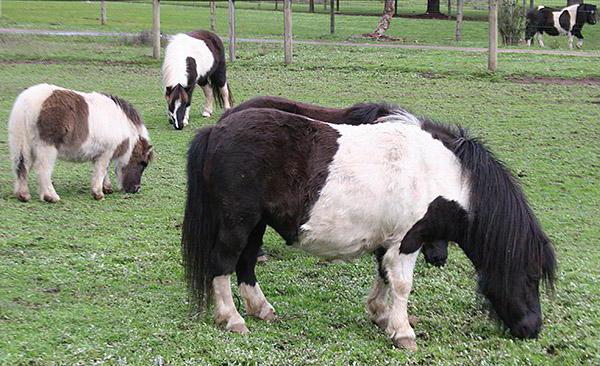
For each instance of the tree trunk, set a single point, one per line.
(433, 7)
(459, 18)
(311, 6)
(384, 22)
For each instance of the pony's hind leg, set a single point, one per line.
(22, 165)
(45, 157)
(399, 268)
(225, 311)
(224, 258)
(208, 104)
(256, 303)
(226, 97)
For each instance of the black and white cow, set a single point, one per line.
(566, 21)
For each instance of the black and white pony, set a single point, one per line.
(194, 58)
(340, 191)
(567, 21)
(435, 253)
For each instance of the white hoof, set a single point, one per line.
(206, 114)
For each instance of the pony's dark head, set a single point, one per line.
(589, 12)
(178, 104)
(504, 240)
(130, 174)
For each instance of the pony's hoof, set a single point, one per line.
(206, 114)
(267, 313)
(98, 196)
(51, 198)
(239, 328)
(23, 197)
(107, 190)
(406, 343)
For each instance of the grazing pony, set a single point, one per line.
(194, 58)
(568, 21)
(338, 191)
(48, 121)
(435, 253)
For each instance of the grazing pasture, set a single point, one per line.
(85, 282)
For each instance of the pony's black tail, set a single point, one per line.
(199, 229)
(219, 96)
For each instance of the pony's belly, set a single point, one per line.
(333, 244)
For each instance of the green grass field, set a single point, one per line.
(86, 282)
(252, 22)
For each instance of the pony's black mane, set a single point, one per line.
(364, 113)
(127, 108)
(503, 239)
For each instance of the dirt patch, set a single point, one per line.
(555, 80)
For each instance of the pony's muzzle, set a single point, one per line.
(528, 327)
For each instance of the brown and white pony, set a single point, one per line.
(49, 122)
(435, 253)
(339, 191)
(194, 58)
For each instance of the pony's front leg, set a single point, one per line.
(208, 104)
(540, 40)
(377, 305)
(399, 268)
(570, 36)
(225, 311)
(99, 174)
(106, 184)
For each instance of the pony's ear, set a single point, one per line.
(150, 153)
(168, 91)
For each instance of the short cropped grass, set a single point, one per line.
(86, 282)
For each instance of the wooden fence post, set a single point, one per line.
(231, 30)
(459, 18)
(332, 17)
(493, 35)
(311, 6)
(337, 5)
(449, 9)
(287, 30)
(213, 15)
(103, 12)
(156, 29)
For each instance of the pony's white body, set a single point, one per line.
(180, 47)
(398, 161)
(107, 124)
(108, 127)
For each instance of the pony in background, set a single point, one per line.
(49, 122)
(194, 58)
(567, 21)
(340, 191)
(435, 253)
